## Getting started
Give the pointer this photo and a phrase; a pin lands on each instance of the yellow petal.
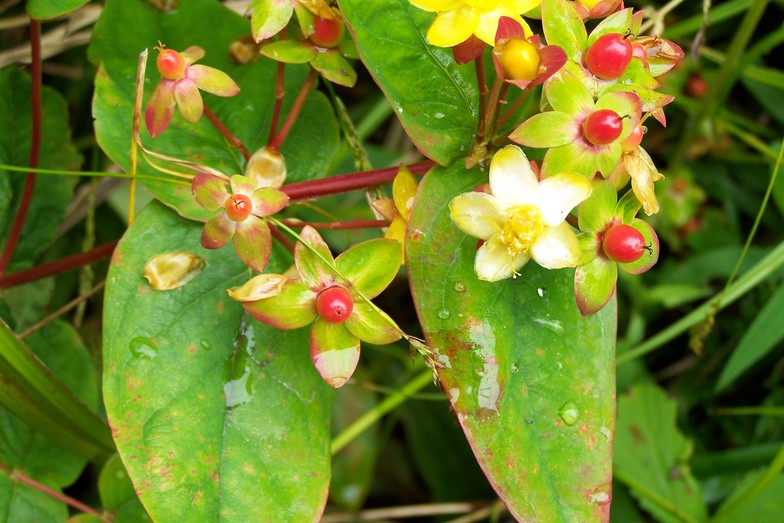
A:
(556, 247)
(452, 27)
(437, 5)
(397, 230)
(172, 270)
(511, 179)
(493, 261)
(488, 24)
(561, 193)
(404, 189)
(643, 173)
(477, 214)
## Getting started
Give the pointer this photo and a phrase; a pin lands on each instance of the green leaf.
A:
(435, 100)
(216, 416)
(52, 194)
(564, 27)
(334, 68)
(518, 360)
(651, 456)
(269, 17)
(248, 115)
(764, 507)
(46, 9)
(22, 503)
(289, 51)
(761, 337)
(117, 493)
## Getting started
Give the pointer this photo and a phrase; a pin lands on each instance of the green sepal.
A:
(372, 325)
(620, 22)
(594, 284)
(334, 351)
(334, 68)
(595, 213)
(627, 207)
(370, 266)
(269, 17)
(292, 308)
(564, 27)
(648, 258)
(289, 51)
(313, 270)
(549, 129)
(566, 93)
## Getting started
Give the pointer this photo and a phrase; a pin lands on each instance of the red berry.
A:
(171, 64)
(602, 127)
(696, 86)
(334, 304)
(608, 56)
(623, 243)
(633, 141)
(238, 207)
(327, 32)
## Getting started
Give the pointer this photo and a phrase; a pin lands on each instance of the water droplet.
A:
(515, 367)
(600, 495)
(439, 116)
(143, 348)
(541, 292)
(604, 431)
(551, 325)
(460, 286)
(569, 413)
(204, 344)
(444, 314)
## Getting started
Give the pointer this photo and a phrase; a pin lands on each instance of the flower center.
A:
(238, 207)
(522, 228)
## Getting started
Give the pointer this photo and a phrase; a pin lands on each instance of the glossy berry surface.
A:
(519, 60)
(334, 304)
(608, 56)
(326, 32)
(171, 64)
(633, 140)
(623, 243)
(602, 127)
(238, 207)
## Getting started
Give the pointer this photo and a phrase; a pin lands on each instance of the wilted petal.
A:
(259, 287)
(334, 351)
(477, 214)
(193, 54)
(292, 308)
(512, 181)
(160, 108)
(556, 248)
(643, 174)
(494, 262)
(212, 80)
(385, 207)
(267, 201)
(253, 242)
(188, 100)
(172, 270)
(561, 193)
(453, 27)
(210, 191)
(372, 326)
(218, 231)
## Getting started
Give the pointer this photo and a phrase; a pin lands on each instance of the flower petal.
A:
(477, 214)
(292, 308)
(267, 201)
(212, 80)
(561, 193)
(210, 191)
(404, 189)
(487, 26)
(493, 261)
(512, 181)
(217, 231)
(372, 326)
(437, 6)
(193, 54)
(334, 351)
(556, 248)
(241, 185)
(253, 242)
(188, 100)
(453, 27)
(160, 108)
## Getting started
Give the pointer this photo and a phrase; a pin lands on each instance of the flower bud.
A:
(266, 168)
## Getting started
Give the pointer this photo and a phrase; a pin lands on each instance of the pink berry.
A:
(608, 56)
(171, 64)
(238, 207)
(633, 141)
(623, 243)
(327, 32)
(602, 127)
(334, 304)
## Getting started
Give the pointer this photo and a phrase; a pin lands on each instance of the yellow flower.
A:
(398, 208)
(457, 20)
(521, 218)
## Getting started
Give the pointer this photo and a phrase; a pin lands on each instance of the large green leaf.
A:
(763, 506)
(127, 27)
(435, 100)
(52, 194)
(531, 380)
(216, 416)
(45, 9)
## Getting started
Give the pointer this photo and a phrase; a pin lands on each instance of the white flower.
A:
(521, 218)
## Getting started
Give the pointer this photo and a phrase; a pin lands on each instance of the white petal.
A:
(556, 248)
(493, 261)
(511, 179)
(559, 194)
(477, 214)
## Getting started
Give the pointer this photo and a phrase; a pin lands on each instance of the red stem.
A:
(347, 182)
(479, 64)
(35, 147)
(282, 239)
(299, 102)
(233, 140)
(512, 108)
(56, 267)
(280, 92)
(353, 224)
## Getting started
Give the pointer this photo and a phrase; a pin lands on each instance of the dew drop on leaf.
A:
(444, 314)
(569, 413)
(460, 286)
(143, 348)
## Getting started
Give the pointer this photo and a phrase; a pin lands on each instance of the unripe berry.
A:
(623, 243)
(602, 127)
(238, 207)
(327, 32)
(633, 140)
(519, 59)
(334, 304)
(608, 56)
(171, 64)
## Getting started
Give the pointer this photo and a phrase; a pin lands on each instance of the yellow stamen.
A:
(522, 228)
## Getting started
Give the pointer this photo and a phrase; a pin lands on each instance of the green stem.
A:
(772, 472)
(372, 416)
(90, 174)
